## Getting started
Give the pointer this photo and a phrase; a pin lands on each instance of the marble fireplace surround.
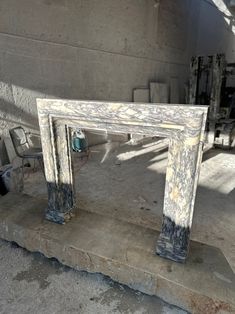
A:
(184, 125)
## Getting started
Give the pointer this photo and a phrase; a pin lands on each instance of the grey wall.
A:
(215, 35)
(90, 49)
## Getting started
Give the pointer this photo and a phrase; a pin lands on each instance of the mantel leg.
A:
(58, 171)
(181, 183)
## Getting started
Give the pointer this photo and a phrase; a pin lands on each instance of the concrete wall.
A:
(90, 49)
(215, 31)
(86, 49)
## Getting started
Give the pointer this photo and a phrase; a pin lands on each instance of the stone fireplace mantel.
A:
(184, 125)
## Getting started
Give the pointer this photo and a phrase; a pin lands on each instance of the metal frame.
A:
(184, 125)
(214, 67)
(25, 155)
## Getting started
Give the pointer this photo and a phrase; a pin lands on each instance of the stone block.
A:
(10, 149)
(141, 95)
(174, 91)
(95, 243)
(159, 93)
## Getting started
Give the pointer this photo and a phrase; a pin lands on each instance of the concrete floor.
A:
(31, 283)
(125, 182)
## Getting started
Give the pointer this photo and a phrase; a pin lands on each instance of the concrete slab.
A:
(32, 283)
(10, 148)
(141, 95)
(123, 251)
(174, 90)
(133, 177)
(159, 93)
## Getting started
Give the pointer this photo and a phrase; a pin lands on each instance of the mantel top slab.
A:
(122, 112)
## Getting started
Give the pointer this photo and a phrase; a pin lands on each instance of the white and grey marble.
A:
(184, 125)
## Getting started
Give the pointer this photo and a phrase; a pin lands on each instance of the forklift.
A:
(209, 85)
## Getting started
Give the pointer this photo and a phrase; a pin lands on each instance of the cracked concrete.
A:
(31, 283)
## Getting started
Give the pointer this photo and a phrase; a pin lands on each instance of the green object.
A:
(79, 143)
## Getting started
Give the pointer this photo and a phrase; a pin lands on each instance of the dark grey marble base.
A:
(173, 241)
(57, 217)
